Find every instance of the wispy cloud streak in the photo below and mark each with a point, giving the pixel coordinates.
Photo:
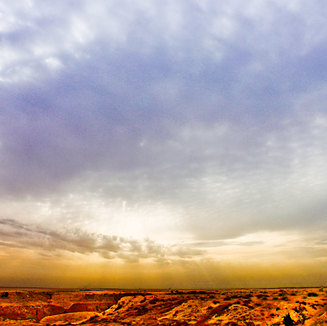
(19, 235)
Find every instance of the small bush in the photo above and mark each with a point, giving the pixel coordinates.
(287, 320)
(312, 294)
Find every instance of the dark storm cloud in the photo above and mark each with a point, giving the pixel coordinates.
(192, 104)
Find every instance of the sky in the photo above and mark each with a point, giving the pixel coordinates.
(163, 144)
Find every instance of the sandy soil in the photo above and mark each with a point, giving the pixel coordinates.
(290, 306)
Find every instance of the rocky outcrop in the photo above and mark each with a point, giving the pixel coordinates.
(175, 308)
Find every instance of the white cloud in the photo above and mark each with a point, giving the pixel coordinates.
(34, 30)
(53, 63)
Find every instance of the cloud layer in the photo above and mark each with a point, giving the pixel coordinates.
(20, 236)
(173, 121)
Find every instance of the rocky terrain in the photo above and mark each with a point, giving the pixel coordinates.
(291, 306)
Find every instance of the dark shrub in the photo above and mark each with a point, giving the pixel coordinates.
(287, 320)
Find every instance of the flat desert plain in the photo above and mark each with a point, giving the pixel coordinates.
(283, 306)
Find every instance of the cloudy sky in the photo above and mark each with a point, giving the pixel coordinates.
(171, 143)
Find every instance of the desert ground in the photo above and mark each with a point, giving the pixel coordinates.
(283, 306)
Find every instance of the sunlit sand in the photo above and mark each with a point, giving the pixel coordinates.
(281, 306)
